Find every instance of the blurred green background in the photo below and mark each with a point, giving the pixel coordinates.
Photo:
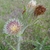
(37, 32)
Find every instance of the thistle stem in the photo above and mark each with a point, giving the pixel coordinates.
(19, 42)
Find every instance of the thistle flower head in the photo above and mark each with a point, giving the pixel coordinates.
(13, 26)
(32, 3)
(39, 10)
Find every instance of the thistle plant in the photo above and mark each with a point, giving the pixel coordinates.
(17, 26)
(14, 29)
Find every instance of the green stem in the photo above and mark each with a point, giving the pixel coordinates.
(19, 42)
